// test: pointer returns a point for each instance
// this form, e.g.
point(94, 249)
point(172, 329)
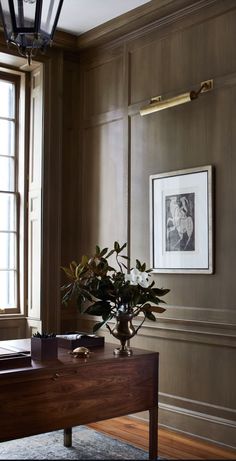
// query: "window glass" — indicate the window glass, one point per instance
point(7, 137)
point(7, 98)
point(7, 289)
point(7, 176)
point(8, 212)
point(7, 250)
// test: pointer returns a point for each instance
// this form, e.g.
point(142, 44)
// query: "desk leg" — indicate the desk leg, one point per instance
point(153, 436)
point(68, 437)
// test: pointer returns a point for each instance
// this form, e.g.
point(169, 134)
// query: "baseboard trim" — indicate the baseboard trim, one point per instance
point(211, 429)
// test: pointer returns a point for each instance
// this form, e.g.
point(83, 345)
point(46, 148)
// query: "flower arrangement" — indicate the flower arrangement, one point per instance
point(102, 290)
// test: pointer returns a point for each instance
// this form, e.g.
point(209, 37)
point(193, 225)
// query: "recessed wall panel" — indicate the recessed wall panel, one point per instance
point(104, 199)
point(103, 87)
point(183, 58)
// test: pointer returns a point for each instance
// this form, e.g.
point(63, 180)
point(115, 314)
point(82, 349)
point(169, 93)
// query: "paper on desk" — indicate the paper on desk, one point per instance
point(75, 336)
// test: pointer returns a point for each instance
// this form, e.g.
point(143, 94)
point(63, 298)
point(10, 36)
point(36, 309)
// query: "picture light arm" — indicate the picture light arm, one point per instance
point(156, 104)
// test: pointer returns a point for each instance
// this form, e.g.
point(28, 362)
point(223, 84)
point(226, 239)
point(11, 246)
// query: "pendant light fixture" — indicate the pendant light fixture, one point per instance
point(30, 24)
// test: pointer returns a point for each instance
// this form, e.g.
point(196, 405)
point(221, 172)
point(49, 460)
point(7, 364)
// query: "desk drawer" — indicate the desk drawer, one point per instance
point(77, 395)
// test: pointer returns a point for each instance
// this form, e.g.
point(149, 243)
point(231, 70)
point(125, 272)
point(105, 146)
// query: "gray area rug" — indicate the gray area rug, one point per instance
point(86, 444)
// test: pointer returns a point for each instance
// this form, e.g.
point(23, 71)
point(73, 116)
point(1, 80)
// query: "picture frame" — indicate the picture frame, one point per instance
point(181, 221)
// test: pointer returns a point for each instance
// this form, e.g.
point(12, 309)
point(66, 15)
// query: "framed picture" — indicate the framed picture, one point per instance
point(181, 221)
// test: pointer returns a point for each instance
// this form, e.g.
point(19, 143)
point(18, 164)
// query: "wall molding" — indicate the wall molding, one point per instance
point(188, 331)
point(171, 417)
point(212, 334)
point(102, 119)
point(199, 406)
point(148, 16)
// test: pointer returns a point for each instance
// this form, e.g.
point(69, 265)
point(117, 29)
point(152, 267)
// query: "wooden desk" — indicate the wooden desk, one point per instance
point(73, 391)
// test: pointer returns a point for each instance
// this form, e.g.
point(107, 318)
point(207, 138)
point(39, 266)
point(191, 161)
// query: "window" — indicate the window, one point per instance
point(9, 232)
point(21, 151)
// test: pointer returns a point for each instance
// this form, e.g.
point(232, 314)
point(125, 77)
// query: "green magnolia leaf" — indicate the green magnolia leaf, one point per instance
point(84, 260)
point(124, 265)
point(103, 252)
point(73, 265)
point(149, 308)
point(138, 265)
point(155, 300)
point(116, 247)
point(65, 299)
point(77, 271)
point(152, 284)
point(97, 326)
point(97, 250)
point(106, 315)
point(68, 272)
point(160, 291)
point(65, 287)
point(86, 294)
point(150, 316)
point(123, 246)
point(98, 308)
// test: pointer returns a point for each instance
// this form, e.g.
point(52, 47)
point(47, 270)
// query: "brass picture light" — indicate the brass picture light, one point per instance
point(158, 103)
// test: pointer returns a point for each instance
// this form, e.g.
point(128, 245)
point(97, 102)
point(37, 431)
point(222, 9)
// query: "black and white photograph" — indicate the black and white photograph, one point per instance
point(181, 221)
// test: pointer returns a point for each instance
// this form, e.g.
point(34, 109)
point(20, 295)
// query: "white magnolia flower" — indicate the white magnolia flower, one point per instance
point(144, 282)
point(137, 277)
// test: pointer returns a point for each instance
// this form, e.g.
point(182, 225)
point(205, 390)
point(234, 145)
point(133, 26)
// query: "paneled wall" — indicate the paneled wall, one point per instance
point(98, 156)
point(104, 187)
point(119, 150)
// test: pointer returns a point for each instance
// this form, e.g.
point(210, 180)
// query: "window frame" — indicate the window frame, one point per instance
point(19, 79)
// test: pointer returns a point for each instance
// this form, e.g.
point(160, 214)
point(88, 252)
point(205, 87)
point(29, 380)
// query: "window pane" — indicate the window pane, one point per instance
point(7, 289)
point(49, 15)
point(7, 251)
point(7, 99)
point(7, 212)
point(6, 174)
point(28, 7)
point(7, 137)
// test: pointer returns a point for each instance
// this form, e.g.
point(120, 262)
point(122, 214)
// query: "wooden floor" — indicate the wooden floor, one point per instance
point(172, 445)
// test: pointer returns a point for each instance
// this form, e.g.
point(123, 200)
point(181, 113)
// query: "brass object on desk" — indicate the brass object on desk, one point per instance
point(80, 352)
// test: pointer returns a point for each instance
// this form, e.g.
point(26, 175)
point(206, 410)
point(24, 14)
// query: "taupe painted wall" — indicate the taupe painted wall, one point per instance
point(118, 150)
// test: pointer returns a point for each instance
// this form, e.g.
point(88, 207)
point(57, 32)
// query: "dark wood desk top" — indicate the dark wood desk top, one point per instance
point(65, 359)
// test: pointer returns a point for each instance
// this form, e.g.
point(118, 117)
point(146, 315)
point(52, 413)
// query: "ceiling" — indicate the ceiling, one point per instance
point(80, 16)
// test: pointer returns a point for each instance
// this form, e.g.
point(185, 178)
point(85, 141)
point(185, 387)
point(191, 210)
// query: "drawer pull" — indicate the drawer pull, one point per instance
point(55, 377)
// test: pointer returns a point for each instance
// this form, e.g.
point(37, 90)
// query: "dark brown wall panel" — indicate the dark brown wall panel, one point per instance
point(103, 88)
point(104, 199)
point(183, 58)
point(70, 163)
